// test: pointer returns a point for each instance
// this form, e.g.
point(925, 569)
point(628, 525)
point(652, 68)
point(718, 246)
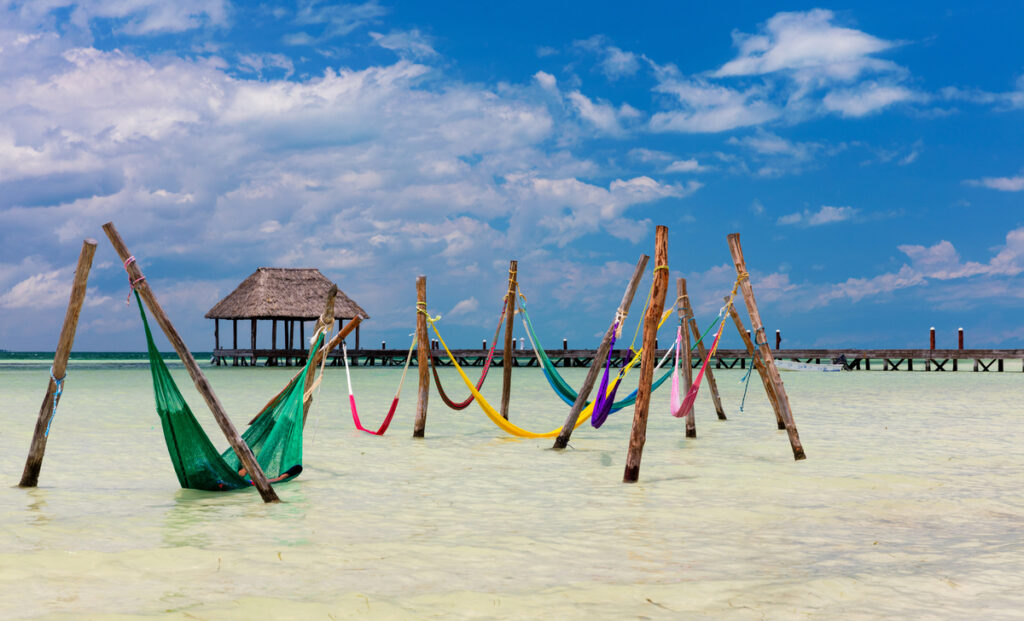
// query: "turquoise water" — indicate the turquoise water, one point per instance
point(910, 505)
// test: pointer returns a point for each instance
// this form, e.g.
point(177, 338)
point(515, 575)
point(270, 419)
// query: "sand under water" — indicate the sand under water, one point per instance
point(910, 505)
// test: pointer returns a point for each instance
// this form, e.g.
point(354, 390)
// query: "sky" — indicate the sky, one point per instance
point(869, 156)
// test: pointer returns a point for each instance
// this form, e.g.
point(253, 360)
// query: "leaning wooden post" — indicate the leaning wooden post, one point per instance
point(762, 372)
point(762, 345)
point(34, 462)
point(506, 360)
point(422, 357)
point(562, 440)
point(242, 450)
point(638, 434)
point(691, 419)
point(703, 351)
point(325, 323)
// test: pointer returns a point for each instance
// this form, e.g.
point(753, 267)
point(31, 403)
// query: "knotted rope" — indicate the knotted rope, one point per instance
point(131, 283)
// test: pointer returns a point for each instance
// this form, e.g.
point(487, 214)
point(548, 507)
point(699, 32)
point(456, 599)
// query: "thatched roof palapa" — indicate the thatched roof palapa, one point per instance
point(284, 293)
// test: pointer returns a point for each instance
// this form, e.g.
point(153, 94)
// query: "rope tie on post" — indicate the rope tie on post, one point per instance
point(131, 283)
point(58, 388)
point(421, 307)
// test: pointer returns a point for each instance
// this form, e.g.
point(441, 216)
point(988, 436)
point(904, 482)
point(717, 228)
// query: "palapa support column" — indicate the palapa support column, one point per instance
point(34, 461)
point(638, 434)
point(762, 345)
point(691, 419)
point(703, 351)
point(506, 360)
point(318, 356)
point(762, 372)
point(562, 440)
point(242, 450)
point(422, 358)
point(325, 322)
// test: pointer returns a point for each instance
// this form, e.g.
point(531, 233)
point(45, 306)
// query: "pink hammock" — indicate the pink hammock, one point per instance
point(394, 402)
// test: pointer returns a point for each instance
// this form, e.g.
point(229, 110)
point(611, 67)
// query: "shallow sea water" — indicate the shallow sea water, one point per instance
point(910, 505)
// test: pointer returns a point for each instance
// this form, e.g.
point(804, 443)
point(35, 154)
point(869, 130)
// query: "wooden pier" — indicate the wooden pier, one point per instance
point(981, 360)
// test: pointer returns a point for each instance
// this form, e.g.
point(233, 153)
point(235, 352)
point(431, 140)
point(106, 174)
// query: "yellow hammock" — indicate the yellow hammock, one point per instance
point(496, 416)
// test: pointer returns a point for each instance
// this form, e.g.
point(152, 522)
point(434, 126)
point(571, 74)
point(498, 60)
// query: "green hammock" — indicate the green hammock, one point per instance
point(275, 437)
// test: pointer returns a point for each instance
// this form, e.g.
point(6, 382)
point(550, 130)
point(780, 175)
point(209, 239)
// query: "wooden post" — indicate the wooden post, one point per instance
point(959, 344)
point(638, 434)
point(510, 318)
point(758, 365)
point(931, 347)
point(762, 344)
point(242, 450)
point(326, 322)
point(562, 440)
point(34, 461)
point(252, 355)
point(216, 333)
point(357, 338)
point(703, 351)
point(778, 339)
point(422, 358)
point(234, 330)
point(691, 419)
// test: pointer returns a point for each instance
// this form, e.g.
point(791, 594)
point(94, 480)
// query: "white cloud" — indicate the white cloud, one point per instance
point(615, 63)
point(805, 41)
point(686, 166)
point(601, 114)
point(867, 98)
point(546, 81)
point(710, 108)
point(410, 42)
point(1003, 184)
point(619, 64)
point(464, 307)
point(826, 215)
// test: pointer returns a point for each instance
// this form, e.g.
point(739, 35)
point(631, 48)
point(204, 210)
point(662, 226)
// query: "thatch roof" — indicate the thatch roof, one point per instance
point(283, 293)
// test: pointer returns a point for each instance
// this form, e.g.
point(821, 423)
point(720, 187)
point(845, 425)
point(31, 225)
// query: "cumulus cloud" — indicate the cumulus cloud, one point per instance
point(826, 215)
point(806, 41)
point(686, 166)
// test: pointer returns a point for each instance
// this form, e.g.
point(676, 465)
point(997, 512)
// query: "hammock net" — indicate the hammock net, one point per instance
point(275, 436)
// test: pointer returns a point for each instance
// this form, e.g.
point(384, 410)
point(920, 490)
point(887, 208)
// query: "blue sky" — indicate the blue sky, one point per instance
point(869, 156)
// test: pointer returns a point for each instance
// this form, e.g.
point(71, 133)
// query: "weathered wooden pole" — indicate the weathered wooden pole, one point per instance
point(691, 419)
point(703, 351)
point(931, 347)
point(762, 344)
point(562, 440)
point(34, 462)
point(422, 358)
point(762, 372)
point(506, 360)
point(778, 339)
point(638, 434)
point(242, 450)
point(325, 322)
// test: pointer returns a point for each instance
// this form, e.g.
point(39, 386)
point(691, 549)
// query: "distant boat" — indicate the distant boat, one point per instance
point(790, 365)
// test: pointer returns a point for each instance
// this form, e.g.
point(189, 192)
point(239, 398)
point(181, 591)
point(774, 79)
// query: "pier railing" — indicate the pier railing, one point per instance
point(857, 359)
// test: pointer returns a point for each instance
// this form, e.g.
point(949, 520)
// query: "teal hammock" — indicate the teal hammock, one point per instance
point(275, 436)
point(558, 383)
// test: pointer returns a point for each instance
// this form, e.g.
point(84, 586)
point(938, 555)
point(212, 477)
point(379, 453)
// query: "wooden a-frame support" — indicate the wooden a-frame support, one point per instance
point(242, 450)
point(763, 350)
